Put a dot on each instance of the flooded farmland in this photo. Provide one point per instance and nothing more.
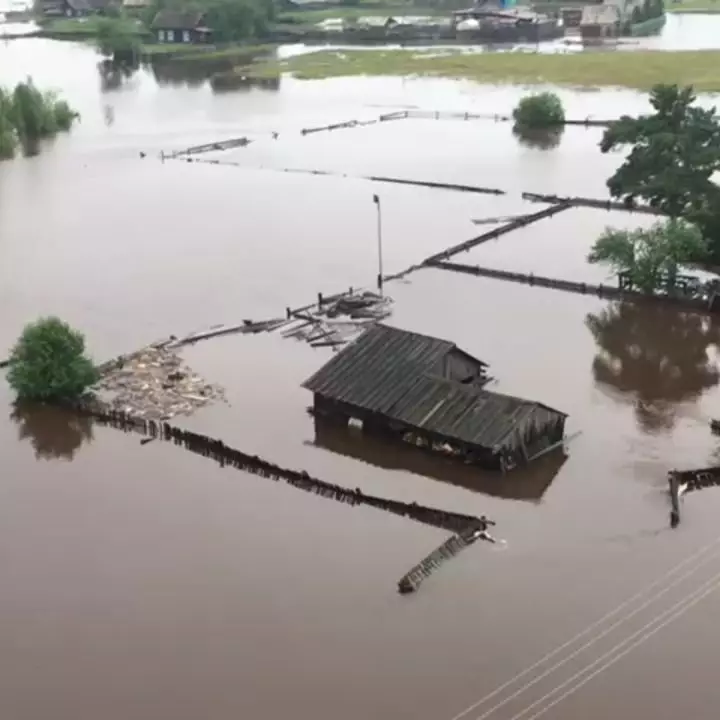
(141, 582)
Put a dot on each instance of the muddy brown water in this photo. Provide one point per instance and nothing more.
(143, 583)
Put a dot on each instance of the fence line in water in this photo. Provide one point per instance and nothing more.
(463, 526)
(602, 291)
(416, 114)
(514, 224)
(572, 200)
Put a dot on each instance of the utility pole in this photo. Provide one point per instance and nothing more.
(376, 200)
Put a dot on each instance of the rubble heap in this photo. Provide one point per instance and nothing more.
(154, 384)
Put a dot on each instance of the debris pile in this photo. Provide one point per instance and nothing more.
(153, 383)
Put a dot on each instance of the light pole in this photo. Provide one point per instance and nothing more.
(376, 200)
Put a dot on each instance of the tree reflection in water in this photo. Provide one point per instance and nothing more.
(656, 356)
(54, 433)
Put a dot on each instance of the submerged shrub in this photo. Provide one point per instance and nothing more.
(8, 140)
(542, 111)
(49, 364)
(28, 115)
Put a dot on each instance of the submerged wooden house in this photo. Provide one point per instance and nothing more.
(429, 392)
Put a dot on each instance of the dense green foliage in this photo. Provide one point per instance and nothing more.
(648, 10)
(651, 257)
(48, 363)
(27, 116)
(673, 156)
(542, 111)
(118, 40)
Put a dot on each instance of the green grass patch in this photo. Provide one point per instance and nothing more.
(694, 6)
(401, 8)
(235, 53)
(638, 70)
(85, 27)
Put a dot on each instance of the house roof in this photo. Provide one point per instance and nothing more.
(393, 372)
(177, 20)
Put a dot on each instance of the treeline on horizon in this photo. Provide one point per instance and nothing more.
(28, 115)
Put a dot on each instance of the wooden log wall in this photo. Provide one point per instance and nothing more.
(602, 291)
(411, 581)
(226, 456)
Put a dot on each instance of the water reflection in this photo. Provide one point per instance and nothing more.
(221, 75)
(114, 74)
(529, 483)
(53, 433)
(539, 139)
(654, 357)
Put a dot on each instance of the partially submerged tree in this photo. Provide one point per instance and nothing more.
(674, 154)
(29, 115)
(542, 111)
(49, 364)
(118, 39)
(650, 257)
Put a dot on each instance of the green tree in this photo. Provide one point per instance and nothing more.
(8, 139)
(232, 20)
(651, 257)
(673, 156)
(49, 364)
(542, 111)
(118, 40)
(36, 115)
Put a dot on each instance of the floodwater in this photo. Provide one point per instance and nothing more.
(143, 583)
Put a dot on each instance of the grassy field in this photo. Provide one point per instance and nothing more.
(694, 6)
(83, 27)
(202, 53)
(312, 17)
(638, 70)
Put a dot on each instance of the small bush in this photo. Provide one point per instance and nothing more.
(542, 111)
(48, 363)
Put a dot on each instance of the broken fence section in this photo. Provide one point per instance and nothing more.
(577, 201)
(684, 481)
(411, 581)
(226, 456)
(514, 224)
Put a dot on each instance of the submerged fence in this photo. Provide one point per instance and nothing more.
(226, 456)
(410, 114)
(602, 291)
(514, 224)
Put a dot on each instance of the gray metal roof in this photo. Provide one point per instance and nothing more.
(389, 371)
(178, 20)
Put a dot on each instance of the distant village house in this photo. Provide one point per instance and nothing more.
(170, 26)
(74, 8)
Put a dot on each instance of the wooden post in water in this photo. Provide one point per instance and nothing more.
(376, 200)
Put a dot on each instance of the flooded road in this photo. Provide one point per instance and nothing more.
(144, 583)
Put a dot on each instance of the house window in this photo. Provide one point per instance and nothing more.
(161, 35)
(170, 35)
(186, 36)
